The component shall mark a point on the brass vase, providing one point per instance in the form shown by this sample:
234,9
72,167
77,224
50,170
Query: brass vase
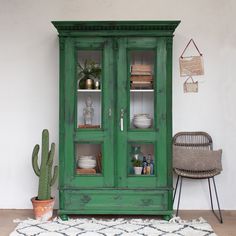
86,83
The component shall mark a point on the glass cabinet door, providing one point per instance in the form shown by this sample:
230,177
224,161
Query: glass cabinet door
93,119
140,63
142,82
89,89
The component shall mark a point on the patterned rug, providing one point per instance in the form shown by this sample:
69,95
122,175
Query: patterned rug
113,227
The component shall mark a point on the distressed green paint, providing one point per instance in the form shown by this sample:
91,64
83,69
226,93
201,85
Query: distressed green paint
69,106
103,136
121,137
104,200
129,135
161,111
169,43
115,28
61,119
115,191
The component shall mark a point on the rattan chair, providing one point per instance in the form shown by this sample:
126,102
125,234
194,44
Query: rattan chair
196,140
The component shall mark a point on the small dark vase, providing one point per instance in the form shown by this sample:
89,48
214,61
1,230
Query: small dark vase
86,83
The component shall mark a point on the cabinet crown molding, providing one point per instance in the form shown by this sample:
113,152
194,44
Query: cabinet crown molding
111,26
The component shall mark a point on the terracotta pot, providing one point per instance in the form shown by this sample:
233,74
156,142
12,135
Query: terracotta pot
43,209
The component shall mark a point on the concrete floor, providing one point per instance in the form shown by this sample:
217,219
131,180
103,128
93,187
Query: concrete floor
228,228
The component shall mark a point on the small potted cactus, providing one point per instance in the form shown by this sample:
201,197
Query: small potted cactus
44,202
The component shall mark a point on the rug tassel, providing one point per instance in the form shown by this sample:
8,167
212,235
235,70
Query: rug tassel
178,220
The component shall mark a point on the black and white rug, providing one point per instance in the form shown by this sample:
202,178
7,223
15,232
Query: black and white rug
113,227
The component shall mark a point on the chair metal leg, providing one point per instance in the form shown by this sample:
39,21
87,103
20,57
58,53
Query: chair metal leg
212,207
218,204
209,184
176,186
180,188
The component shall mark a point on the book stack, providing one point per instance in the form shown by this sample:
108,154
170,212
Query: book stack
141,77
88,126
85,171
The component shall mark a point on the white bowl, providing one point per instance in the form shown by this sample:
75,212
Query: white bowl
142,120
142,116
142,124
86,162
137,124
87,166
86,157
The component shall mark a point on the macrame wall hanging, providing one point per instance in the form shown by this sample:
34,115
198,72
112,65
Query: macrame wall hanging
191,66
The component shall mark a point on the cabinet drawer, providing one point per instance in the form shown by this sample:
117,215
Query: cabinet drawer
115,201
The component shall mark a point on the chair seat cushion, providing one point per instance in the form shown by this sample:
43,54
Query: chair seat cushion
196,159
197,174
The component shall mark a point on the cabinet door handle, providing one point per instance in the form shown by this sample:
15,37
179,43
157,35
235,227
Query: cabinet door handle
121,119
109,113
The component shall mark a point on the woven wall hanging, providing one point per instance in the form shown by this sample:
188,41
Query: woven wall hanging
191,65
190,86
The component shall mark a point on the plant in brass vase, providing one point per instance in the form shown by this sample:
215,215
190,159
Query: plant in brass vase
43,203
87,73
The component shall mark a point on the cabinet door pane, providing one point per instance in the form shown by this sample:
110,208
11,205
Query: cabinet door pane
89,87
88,159
141,159
142,81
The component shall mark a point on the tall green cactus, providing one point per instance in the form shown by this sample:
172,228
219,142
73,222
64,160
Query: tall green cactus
46,179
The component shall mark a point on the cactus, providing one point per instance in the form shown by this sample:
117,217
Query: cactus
46,179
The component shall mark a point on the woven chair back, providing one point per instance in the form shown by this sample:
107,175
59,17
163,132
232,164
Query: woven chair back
195,140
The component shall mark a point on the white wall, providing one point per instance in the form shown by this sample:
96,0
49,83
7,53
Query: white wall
29,83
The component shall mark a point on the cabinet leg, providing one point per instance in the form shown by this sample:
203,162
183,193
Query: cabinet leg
167,217
64,217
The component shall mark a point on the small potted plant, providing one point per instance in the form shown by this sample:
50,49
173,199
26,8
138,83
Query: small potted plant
44,202
137,165
87,73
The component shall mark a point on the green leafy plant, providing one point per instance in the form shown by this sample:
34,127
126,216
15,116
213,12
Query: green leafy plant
90,69
136,163
46,179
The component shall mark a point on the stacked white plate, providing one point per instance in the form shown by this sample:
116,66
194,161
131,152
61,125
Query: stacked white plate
142,121
86,162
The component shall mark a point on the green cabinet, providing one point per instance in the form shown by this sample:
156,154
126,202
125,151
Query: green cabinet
115,113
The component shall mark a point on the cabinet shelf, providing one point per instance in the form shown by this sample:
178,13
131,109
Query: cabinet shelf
89,90
141,90
99,90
